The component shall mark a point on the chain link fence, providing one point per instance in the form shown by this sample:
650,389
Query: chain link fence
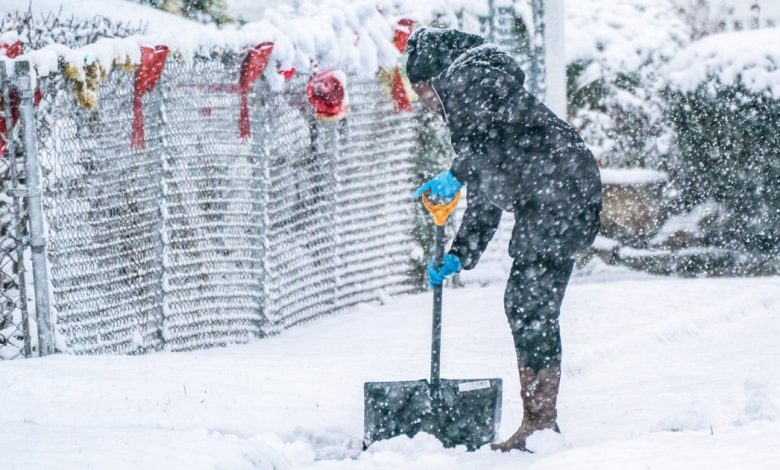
202,239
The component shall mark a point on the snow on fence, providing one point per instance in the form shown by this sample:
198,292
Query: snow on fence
202,239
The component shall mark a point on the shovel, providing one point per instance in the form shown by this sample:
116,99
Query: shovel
457,412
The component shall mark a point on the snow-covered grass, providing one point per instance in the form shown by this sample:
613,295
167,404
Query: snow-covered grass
659,373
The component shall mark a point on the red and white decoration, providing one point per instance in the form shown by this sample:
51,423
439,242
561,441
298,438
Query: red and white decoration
327,93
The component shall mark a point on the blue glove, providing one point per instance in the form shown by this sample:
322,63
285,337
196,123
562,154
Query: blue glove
449,266
443,187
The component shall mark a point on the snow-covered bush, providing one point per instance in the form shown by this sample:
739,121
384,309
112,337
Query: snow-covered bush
37,31
724,95
708,17
204,11
704,17
615,49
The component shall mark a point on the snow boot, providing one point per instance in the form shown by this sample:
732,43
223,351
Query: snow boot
540,397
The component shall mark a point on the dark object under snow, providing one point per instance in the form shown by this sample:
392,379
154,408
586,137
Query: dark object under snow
458,412
512,152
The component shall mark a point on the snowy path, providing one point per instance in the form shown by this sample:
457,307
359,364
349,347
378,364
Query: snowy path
643,358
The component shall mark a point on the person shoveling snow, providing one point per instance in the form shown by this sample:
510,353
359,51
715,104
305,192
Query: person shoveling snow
513,154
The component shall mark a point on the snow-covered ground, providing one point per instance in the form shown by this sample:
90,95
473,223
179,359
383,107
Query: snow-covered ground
660,373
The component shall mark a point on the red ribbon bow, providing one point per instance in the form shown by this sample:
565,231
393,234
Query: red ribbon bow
146,77
14,99
253,66
3,135
403,31
11,51
401,101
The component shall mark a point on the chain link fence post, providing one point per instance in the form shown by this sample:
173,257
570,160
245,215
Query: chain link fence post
24,84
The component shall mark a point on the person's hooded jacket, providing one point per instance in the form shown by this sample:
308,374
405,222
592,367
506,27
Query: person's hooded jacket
512,152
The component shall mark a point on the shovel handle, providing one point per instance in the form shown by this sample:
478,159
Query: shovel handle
438,257
440,213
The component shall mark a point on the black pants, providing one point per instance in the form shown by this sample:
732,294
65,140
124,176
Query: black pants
532,303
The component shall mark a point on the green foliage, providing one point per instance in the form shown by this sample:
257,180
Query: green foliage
729,147
205,11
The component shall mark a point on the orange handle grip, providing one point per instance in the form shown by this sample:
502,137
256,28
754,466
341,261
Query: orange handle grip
441,212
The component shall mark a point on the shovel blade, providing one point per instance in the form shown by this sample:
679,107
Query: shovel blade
457,412
394,409
467,412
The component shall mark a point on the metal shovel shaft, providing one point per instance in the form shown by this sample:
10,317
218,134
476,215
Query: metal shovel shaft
438,259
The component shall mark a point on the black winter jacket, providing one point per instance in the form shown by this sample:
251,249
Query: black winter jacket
512,152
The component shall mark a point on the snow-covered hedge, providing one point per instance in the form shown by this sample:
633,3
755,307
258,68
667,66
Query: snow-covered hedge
750,59
620,36
724,96
615,49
